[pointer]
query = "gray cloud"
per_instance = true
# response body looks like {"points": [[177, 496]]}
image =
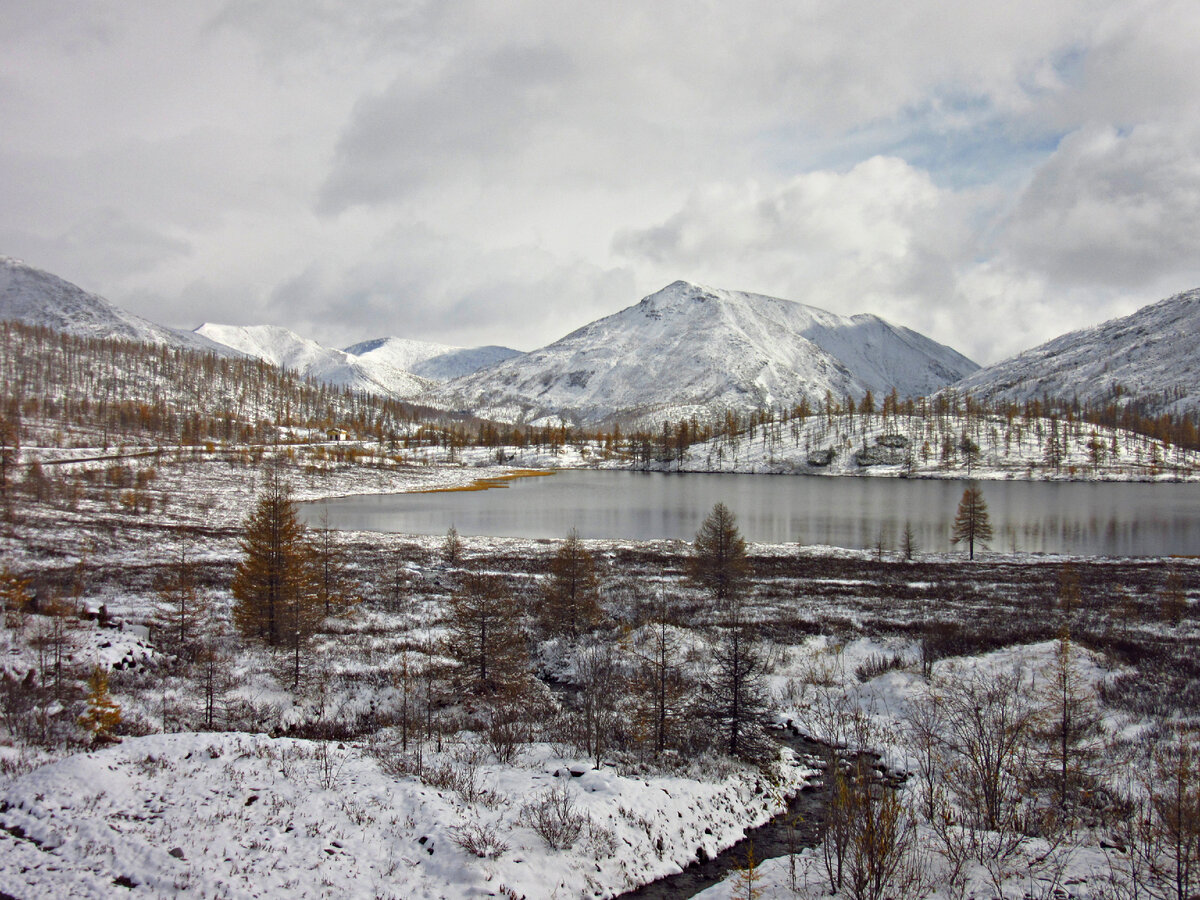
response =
{"points": [[470, 171], [466, 124], [1112, 209]]}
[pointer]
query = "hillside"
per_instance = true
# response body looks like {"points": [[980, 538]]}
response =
{"points": [[689, 349], [34, 297], [1148, 357], [438, 362], [284, 348]]}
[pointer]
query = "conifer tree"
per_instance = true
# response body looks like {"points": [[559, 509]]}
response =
{"points": [[735, 693], [102, 714], [571, 604], [971, 523], [274, 585], [452, 547], [181, 610], [483, 637], [718, 562]]}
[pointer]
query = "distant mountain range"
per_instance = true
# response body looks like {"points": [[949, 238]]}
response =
{"points": [[684, 350], [35, 297], [1151, 355], [688, 349]]}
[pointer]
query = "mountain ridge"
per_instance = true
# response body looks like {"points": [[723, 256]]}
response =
{"points": [[1148, 355], [37, 297], [688, 347]]}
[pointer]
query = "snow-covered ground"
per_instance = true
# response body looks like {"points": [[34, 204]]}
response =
{"points": [[246, 815]]}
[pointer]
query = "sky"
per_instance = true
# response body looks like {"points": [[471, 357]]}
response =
{"points": [[493, 172]]}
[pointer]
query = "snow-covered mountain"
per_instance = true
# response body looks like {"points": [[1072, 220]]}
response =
{"points": [[688, 349], [1151, 355], [282, 347], [35, 297], [439, 362], [395, 367]]}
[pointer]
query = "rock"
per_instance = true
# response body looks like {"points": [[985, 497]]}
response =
{"points": [[821, 458]]}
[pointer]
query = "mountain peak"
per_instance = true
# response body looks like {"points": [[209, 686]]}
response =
{"points": [[688, 348]]}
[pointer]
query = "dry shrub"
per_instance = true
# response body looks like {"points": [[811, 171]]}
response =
{"points": [[554, 816]]}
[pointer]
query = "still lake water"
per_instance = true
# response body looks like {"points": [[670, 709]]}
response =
{"points": [[1088, 519]]}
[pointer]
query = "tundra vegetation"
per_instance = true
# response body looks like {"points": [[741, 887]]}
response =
{"points": [[156, 579]]}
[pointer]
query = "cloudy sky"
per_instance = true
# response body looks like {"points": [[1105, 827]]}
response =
{"points": [[484, 171]]}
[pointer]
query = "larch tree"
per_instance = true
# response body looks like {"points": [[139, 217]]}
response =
{"points": [[571, 600], [734, 695], [181, 611], [452, 547], [718, 562], [971, 523], [102, 714], [1073, 728], [659, 682], [483, 637], [274, 585], [335, 593]]}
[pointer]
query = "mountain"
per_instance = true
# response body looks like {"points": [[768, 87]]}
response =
{"points": [[691, 349], [438, 362], [1149, 356], [282, 347], [35, 297]]}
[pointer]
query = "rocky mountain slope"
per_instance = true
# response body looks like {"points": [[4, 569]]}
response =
{"points": [[689, 349], [1150, 356], [35, 297]]}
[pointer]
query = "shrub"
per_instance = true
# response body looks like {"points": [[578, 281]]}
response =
{"points": [[554, 817], [480, 839]]}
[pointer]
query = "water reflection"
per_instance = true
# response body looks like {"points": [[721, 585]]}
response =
{"points": [[1089, 519]]}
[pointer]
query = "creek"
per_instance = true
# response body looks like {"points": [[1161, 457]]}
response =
{"points": [[788, 832]]}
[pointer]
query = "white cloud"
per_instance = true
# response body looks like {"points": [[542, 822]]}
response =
{"points": [[472, 170]]}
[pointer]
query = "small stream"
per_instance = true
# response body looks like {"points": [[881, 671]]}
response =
{"points": [[788, 832]]}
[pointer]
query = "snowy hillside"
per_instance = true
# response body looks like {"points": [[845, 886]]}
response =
{"points": [[35, 297], [439, 362], [284, 348], [690, 347], [1150, 354], [243, 815]]}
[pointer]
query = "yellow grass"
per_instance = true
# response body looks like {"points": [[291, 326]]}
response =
{"points": [[496, 481]]}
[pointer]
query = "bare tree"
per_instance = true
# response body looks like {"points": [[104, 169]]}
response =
{"points": [[990, 722], [908, 542], [660, 684], [1073, 722], [334, 592], [601, 683], [181, 610]]}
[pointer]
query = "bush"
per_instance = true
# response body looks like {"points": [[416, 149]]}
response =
{"points": [[554, 817], [480, 839]]}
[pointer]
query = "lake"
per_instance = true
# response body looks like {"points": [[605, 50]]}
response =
{"points": [[1082, 518]]}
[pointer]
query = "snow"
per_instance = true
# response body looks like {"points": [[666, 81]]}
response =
{"points": [[243, 815], [1150, 354], [692, 346], [284, 348], [35, 297], [437, 362]]}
